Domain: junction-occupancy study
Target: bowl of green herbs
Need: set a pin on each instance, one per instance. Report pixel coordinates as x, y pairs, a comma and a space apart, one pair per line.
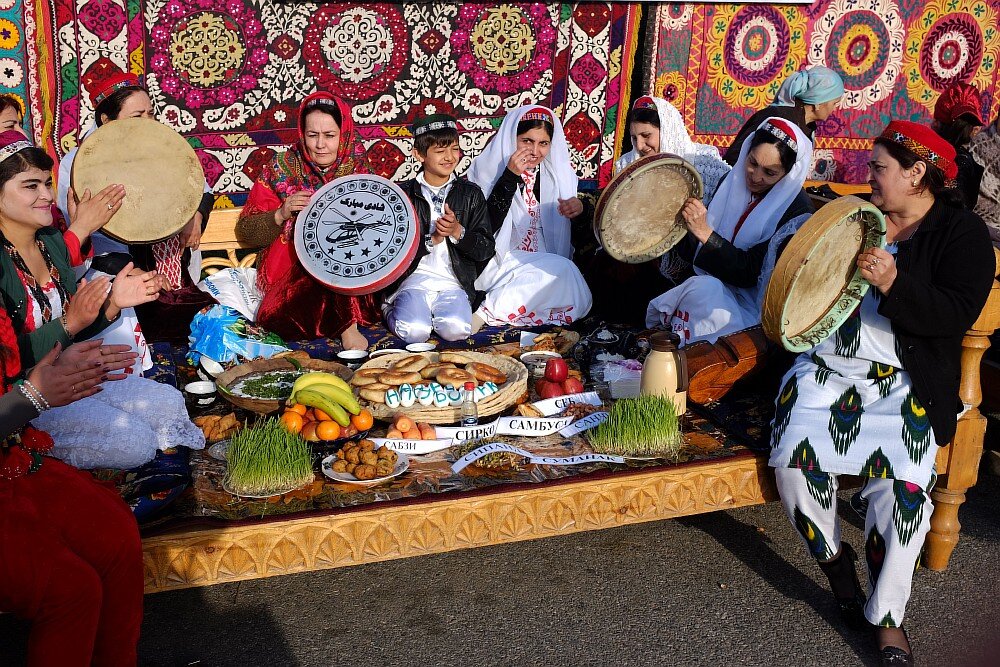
264, 385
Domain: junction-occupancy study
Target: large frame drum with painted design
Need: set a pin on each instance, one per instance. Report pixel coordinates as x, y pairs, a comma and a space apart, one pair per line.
638, 214
358, 235
163, 178
816, 283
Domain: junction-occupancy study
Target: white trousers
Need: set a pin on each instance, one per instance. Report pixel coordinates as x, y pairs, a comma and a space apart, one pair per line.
896, 523
415, 312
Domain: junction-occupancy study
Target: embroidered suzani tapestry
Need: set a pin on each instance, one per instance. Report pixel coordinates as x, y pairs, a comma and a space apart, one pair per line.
229, 74
720, 63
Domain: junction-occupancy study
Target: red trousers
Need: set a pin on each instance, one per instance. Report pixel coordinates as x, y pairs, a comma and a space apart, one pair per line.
71, 563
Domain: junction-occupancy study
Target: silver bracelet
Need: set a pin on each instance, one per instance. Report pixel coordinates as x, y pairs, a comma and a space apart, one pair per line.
41, 398
30, 397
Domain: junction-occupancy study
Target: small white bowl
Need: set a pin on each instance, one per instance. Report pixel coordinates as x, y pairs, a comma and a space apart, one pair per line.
535, 361
382, 353
202, 392
420, 347
352, 355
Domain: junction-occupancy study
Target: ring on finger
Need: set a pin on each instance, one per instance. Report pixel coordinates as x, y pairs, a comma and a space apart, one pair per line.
871, 266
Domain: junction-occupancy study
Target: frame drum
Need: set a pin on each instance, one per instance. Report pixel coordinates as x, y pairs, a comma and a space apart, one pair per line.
638, 215
163, 178
359, 234
816, 283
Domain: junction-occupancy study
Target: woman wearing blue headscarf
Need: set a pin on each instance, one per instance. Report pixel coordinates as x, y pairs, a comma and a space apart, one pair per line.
806, 97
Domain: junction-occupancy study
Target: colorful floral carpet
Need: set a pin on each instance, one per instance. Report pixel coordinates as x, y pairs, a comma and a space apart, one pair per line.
720, 63
229, 75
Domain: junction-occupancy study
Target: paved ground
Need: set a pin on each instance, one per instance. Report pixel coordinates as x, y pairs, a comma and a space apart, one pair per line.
725, 588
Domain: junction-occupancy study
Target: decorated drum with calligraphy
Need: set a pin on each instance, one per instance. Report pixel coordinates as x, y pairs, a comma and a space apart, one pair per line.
358, 235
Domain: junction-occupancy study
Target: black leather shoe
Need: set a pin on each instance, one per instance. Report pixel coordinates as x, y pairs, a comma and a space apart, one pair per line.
895, 656
841, 569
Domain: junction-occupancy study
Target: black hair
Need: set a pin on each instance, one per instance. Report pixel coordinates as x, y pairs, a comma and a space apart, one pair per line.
529, 125
934, 179
22, 161
785, 152
959, 132
435, 138
332, 110
643, 115
8, 101
113, 103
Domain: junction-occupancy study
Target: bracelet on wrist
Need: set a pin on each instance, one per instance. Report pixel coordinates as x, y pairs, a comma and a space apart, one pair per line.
33, 396
38, 394
64, 321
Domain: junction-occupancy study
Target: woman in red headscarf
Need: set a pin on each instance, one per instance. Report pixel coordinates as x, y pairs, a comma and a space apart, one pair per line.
958, 118
70, 556
873, 399
294, 305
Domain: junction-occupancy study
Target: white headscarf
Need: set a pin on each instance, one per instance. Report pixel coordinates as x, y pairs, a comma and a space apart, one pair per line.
674, 139
733, 196
558, 181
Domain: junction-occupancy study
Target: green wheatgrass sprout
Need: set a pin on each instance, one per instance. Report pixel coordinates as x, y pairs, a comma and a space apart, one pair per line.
265, 459
639, 426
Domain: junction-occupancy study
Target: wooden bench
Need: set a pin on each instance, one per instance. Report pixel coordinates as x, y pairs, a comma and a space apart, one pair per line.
447, 522
220, 235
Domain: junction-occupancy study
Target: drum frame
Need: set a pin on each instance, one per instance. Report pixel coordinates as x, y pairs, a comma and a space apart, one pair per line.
803, 246
621, 183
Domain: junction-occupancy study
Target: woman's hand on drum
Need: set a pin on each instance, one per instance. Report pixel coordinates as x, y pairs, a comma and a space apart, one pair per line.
111, 358
571, 207
63, 383
519, 161
86, 304
292, 205
132, 290
696, 219
878, 267
190, 235
91, 213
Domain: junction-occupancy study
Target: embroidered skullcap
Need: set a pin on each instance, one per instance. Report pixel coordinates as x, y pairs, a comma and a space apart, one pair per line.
434, 122
645, 102
957, 100
12, 142
813, 85
538, 113
104, 78
781, 130
923, 142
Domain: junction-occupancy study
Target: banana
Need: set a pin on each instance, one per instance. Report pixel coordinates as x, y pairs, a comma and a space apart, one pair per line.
317, 399
310, 379
344, 398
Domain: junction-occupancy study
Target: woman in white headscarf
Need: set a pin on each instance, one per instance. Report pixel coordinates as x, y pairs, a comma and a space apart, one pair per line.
728, 241
656, 126
531, 195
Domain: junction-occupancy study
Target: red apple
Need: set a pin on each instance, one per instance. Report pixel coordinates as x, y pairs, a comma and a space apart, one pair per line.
572, 386
548, 389
556, 369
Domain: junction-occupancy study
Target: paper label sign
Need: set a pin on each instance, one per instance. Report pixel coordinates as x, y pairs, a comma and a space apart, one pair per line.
584, 424
485, 450
553, 406
463, 433
414, 446
530, 426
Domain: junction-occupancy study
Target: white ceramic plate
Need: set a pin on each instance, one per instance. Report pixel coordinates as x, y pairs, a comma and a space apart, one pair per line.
218, 450
420, 347
352, 355
382, 353
402, 465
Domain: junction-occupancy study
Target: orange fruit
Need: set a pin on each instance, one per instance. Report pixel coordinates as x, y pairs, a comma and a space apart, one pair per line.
292, 421
309, 432
322, 416
328, 430
298, 408
363, 420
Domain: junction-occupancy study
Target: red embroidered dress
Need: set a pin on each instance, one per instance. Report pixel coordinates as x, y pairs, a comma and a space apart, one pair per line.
293, 304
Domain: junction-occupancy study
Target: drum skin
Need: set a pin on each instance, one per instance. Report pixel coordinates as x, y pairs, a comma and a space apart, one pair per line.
816, 283
359, 234
638, 215
163, 178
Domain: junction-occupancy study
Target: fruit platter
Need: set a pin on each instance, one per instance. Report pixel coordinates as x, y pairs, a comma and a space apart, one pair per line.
429, 386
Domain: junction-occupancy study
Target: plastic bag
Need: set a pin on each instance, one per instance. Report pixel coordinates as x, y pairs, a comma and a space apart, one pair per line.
222, 334
236, 288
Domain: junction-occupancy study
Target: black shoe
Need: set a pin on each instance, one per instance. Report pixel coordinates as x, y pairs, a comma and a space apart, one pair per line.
841, 569
895, 656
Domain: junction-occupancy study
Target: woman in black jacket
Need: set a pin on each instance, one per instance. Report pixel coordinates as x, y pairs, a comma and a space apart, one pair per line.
873, 399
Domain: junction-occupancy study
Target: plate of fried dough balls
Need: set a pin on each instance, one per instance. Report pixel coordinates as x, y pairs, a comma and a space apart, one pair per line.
364, 463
